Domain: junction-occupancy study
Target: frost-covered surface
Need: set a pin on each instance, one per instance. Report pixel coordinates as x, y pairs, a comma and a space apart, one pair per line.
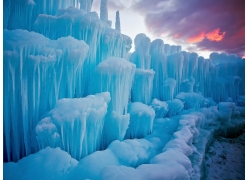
159, 65
74, 125
102, 40
141, 120
160, 107
115, 75
127, 155
228, 74
175, 106
142, 88
226, 158
175, 149
115, 127
168, 89
141, 56
175, 63
46, 164
37, 72
191, 100
22, 14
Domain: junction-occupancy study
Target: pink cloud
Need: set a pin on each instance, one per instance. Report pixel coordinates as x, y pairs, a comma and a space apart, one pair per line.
215, 35
212, 25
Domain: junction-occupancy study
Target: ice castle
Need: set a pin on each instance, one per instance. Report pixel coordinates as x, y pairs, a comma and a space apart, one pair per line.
78, 105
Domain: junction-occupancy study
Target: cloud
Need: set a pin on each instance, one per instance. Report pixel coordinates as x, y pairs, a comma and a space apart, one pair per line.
215, 35
196, 38
215, 25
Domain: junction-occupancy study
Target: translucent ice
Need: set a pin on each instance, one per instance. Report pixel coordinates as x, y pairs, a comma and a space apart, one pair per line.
141, 120
175, 106
142, 88
37, 72
174, 69
159, 65
168, 89
22, 14
160, 107
75, 125
115, 75
191, 100
102, 40
115, 128
141, 56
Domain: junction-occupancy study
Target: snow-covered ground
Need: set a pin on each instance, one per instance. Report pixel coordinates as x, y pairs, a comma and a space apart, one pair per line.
225, 159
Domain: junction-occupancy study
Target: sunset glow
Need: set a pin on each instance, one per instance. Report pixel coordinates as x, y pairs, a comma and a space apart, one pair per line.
215, 35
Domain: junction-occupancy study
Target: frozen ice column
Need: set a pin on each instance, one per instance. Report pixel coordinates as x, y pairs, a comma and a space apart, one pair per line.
143, 82
86, 5
141, 56
37, 72
142, 86
117, 21
115, 75
175, 63
159, 65
141, 120
21, 14
104, 12
74, 125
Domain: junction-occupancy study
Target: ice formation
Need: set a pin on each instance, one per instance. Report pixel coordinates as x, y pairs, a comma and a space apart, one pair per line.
104, 10
49, 163
160, 107
143, 82
141, 56
86, 5
142, 86
175, 106
141, 120
191, 100
22, 14
74, 125
168, 89
117, 22
115, 75
226, 109
102, 40
159, 65
70, 84
37, 72
174, 69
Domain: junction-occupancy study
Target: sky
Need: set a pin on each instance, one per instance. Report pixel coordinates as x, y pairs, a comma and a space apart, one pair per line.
198, 26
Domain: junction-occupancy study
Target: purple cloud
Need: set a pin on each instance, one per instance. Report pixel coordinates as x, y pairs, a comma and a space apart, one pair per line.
215, 25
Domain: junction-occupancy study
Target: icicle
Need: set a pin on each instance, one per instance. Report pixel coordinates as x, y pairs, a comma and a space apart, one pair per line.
117, 22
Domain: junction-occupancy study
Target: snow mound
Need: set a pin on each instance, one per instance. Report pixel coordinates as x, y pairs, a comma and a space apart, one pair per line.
160, 107
46, 164
175, 106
